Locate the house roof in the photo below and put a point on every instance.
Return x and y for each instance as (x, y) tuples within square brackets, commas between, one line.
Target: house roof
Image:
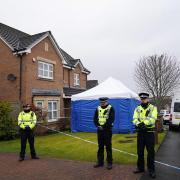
[(11, 35), (71, 91), (71, 61), (27, 41), (19, 41), (91, 83)]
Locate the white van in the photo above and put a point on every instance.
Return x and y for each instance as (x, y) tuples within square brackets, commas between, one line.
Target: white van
[(175, 113)]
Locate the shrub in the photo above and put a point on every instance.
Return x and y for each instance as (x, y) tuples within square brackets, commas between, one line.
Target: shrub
[(8, 124), (40, 113)]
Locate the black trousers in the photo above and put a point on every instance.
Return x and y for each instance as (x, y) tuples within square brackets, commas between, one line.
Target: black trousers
[(27, 135), (146, 139), (104, 139)]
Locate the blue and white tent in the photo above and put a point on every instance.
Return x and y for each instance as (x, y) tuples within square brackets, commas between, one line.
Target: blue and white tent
[(120, 97)]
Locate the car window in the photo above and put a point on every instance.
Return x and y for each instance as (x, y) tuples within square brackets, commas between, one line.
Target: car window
[(164, 112), (176, 107)]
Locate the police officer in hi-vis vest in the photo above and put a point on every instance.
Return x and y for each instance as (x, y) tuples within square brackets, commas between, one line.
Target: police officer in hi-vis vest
[(103, 120), (144, 118), (27, 122)]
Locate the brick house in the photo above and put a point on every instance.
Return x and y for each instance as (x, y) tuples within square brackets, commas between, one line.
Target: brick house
[(34, 69)]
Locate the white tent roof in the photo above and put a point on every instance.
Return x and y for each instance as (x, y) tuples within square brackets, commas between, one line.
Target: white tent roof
[(110, 88)]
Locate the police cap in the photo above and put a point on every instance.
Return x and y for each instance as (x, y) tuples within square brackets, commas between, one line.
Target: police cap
[(143, 95), (103, 99), (26, 106)]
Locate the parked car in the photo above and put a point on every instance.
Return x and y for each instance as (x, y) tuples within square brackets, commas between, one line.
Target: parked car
[(166, 118), (163, 112)]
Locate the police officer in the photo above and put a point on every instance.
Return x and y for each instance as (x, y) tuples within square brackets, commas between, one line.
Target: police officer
[(144, 119), (27, 122), (103, 120)]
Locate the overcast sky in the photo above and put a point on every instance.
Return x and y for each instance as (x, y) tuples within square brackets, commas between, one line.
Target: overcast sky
[(109, 36)]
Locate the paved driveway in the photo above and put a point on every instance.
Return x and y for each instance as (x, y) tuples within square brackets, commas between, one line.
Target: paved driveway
[(56, 169)]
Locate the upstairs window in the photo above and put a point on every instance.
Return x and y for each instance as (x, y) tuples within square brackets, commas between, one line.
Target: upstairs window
[(76, 79), (45, 70)]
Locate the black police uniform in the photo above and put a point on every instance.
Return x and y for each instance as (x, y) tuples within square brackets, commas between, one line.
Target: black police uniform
[(104, 134), (145, 138), (27, 132)]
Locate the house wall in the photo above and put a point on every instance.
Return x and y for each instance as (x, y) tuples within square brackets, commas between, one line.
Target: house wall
[(9, 64), (31, 79), (66, 77), (30, 71)]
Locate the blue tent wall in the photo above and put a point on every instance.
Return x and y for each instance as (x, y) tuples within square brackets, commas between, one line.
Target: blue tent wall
[(83, 111)]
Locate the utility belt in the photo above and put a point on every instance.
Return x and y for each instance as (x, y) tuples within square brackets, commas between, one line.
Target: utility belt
[(145, 130)]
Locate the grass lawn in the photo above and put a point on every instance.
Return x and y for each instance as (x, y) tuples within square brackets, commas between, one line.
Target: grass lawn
[(65, 147)]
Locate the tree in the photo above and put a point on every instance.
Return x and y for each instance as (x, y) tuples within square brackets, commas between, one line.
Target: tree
[(158, 75)]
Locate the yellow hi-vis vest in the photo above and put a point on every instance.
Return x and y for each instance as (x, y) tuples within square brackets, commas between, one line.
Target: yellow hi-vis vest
[(103, 114), (140, 116), (27, 119)]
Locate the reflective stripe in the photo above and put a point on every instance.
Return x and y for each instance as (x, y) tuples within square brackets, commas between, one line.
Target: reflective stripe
[(150, 114), (26, 121)]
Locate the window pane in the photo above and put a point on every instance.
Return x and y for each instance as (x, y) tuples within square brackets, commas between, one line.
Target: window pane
[(49, 106), (54, 114), (51, 74), (176, 107), (50, 67), (40, 65), (39, 104), (45, 67), (54, 105), (50, 115), (46, 73)]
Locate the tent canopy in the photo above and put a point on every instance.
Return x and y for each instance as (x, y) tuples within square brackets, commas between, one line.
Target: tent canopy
[(110, 88)]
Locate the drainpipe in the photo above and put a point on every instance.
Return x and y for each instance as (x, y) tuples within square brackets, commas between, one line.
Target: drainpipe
[(20, 78)]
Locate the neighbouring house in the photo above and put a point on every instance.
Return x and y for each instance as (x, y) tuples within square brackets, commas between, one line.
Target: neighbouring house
[(34, 69), (91, 83)]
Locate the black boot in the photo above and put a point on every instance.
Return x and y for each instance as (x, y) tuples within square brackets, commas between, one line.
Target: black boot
[(109, 166), (98, 165), (21, 159), (152, 174), (35, 157), (138, 171)]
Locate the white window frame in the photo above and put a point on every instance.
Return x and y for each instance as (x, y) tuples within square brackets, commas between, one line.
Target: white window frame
[(76, 79), (43, 70), (52, 110)]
